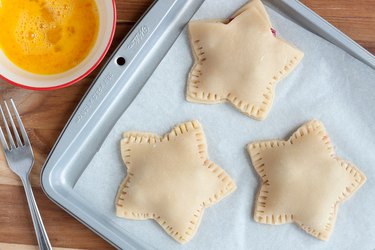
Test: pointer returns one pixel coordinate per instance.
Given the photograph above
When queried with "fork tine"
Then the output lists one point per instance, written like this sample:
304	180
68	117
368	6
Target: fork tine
20	124
15	132
10	137
3	141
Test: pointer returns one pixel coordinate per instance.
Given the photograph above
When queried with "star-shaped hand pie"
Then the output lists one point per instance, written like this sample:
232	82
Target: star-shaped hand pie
239	61
170	179
303	181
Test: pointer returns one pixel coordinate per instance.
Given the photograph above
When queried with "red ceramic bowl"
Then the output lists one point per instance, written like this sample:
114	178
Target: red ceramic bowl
21	78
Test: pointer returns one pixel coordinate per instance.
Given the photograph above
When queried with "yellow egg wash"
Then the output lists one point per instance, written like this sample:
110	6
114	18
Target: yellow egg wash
48	36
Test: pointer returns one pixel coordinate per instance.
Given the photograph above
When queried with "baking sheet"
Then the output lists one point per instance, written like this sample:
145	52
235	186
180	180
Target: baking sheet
328	85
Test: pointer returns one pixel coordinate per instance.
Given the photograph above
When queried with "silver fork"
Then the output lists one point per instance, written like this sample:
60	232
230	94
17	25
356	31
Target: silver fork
20	158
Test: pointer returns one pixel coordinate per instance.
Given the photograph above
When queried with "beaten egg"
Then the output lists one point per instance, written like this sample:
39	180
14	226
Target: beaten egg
48	36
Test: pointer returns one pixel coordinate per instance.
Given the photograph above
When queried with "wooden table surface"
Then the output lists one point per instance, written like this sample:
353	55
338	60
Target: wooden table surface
45	114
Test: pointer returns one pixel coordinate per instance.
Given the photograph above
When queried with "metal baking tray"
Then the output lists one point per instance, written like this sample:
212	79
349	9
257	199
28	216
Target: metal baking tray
116	87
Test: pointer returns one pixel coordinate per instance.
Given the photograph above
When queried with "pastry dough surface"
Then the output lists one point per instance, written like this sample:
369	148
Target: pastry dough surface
303	181
239	61
170	179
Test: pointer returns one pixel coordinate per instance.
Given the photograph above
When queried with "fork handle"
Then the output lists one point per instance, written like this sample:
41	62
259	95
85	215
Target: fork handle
40	231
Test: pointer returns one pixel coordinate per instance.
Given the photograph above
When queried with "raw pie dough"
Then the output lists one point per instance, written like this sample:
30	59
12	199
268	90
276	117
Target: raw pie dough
239	61
303	181
170	179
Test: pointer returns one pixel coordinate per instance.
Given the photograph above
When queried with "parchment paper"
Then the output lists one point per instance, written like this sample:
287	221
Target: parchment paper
328	85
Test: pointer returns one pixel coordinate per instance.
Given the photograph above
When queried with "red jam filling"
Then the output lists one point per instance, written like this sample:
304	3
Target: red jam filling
274	32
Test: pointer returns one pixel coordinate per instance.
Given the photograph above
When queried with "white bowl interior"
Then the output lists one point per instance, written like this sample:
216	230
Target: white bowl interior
106	24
